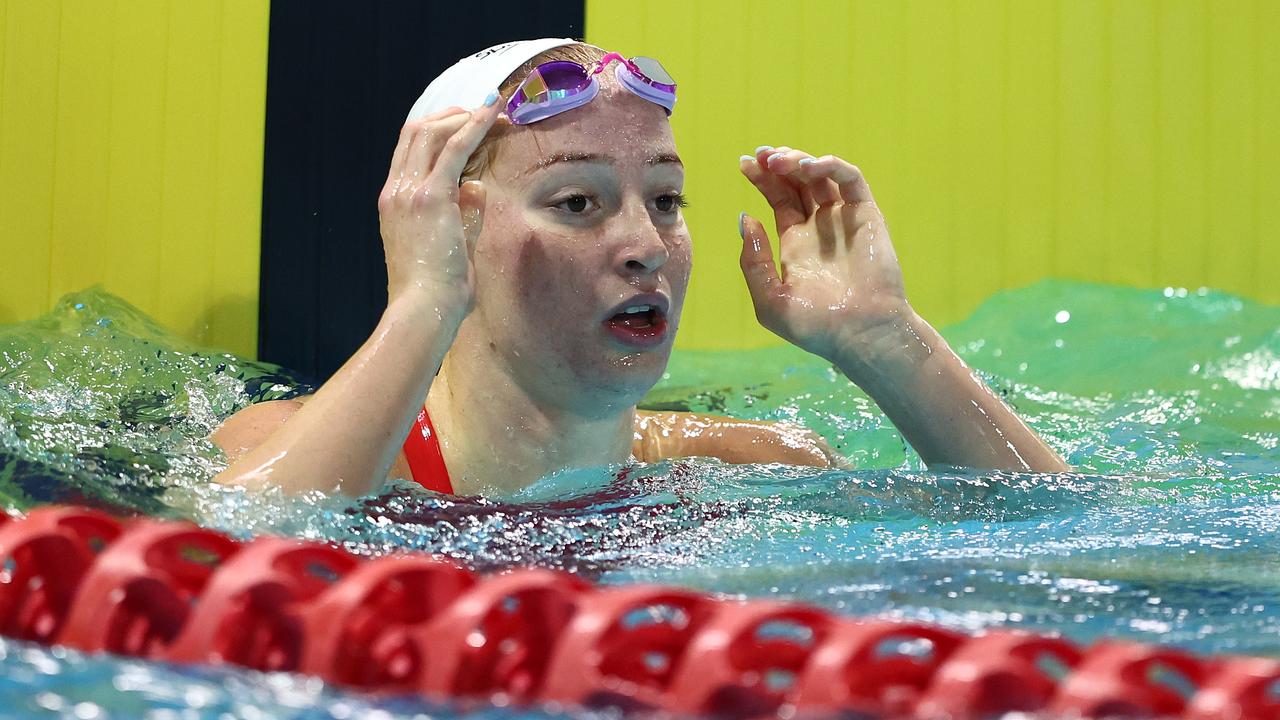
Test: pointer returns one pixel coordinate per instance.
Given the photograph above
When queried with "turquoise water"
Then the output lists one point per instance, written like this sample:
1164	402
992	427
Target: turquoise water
1165	401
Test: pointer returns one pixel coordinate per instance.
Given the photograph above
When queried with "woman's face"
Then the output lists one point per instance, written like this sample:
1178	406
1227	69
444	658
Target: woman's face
584	257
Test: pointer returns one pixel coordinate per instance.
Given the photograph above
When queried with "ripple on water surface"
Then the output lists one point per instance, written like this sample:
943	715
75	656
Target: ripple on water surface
1165	402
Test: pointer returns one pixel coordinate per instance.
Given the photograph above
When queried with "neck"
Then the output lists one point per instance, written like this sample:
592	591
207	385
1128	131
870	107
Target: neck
497	436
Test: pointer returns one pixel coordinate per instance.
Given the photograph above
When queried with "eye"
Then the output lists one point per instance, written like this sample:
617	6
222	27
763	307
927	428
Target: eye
575	204
671	202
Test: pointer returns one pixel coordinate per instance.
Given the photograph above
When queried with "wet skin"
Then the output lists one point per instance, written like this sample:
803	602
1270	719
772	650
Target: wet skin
582	217
581	220
511	284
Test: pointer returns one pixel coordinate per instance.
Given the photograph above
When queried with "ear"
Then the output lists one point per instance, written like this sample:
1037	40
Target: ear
471	198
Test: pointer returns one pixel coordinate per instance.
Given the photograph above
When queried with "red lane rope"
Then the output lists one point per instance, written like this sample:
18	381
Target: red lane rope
413	623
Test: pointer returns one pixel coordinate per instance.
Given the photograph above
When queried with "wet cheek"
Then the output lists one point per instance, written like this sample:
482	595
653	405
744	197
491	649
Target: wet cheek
679	268
538	290
550	279
681	260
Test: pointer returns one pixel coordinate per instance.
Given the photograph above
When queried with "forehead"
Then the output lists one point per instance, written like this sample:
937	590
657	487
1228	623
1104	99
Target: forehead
616	124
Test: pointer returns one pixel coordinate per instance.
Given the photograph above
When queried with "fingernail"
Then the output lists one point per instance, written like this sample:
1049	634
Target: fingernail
762	148
746	157
742	224
807	161
491	98
773	157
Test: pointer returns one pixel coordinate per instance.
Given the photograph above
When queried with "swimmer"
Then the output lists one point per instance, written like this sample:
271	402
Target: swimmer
537	262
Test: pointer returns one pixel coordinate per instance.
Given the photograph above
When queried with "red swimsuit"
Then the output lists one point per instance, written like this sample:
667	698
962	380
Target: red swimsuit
426	463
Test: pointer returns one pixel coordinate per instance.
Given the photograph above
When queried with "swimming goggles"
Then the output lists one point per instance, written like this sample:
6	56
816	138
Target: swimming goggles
561	85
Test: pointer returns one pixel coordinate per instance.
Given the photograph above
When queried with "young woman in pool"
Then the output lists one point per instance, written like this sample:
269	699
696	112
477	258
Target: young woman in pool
537	263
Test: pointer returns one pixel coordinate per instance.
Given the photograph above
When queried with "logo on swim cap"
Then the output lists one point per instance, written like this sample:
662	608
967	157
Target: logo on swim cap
467	82
495	49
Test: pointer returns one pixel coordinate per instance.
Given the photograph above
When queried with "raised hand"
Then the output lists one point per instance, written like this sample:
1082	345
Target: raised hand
839	295
429	224
839	287
348	435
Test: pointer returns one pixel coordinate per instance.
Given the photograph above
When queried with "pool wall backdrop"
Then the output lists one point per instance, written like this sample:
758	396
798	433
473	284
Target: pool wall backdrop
1128	142
131	155
216	164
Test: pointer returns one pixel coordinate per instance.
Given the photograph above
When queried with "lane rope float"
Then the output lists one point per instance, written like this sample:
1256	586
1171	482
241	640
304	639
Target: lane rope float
411	622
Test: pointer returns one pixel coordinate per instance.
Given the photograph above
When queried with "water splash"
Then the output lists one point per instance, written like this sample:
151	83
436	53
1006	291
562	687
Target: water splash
1164	401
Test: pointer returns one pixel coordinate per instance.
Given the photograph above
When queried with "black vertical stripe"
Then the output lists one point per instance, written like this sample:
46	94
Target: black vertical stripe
341	76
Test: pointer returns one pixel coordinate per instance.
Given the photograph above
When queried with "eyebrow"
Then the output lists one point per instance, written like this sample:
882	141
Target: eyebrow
557	158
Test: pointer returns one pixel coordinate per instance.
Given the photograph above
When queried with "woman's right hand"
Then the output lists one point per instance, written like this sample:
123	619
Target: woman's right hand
429	224
348	435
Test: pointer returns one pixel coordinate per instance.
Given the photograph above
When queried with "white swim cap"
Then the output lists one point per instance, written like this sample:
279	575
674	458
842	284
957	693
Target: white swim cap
472	78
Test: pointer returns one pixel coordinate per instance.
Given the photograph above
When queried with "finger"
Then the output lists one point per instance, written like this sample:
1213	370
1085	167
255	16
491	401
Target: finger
853	186
407	133
808	174
817	177
807	198
764	152
397	158
459	148
439	114
763	281
782	151
427	145
782	154
788	207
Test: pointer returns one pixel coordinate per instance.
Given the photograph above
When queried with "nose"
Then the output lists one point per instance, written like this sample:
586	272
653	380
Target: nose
643	250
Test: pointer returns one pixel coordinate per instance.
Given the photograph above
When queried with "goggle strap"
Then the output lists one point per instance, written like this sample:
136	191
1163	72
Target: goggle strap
603	62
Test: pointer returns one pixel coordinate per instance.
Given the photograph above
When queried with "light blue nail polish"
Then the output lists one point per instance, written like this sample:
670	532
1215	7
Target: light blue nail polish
742	228
491	98
762	148
808	161
774	156
746	157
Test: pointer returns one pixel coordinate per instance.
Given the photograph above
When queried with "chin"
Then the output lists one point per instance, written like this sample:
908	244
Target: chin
625	378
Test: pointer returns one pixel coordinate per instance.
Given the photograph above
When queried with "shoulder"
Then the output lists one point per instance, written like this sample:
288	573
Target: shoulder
247	428
662	435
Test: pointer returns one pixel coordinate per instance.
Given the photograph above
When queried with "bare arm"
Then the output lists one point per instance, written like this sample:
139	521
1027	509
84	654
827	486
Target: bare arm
945	411
663	435
241	433
349	434
840	295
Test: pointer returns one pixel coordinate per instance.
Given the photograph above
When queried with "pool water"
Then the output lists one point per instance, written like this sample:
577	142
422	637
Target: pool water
1165	401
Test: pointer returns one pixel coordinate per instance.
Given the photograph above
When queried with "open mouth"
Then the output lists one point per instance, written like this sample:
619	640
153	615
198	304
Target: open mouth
639	325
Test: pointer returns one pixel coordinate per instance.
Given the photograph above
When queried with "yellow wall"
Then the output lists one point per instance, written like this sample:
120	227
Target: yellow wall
131	155
1129	141
1125	141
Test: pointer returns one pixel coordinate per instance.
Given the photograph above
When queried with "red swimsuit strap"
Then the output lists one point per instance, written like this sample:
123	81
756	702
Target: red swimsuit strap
426	462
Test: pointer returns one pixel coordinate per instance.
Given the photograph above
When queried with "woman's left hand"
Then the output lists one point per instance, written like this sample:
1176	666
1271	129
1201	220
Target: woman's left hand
839	294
